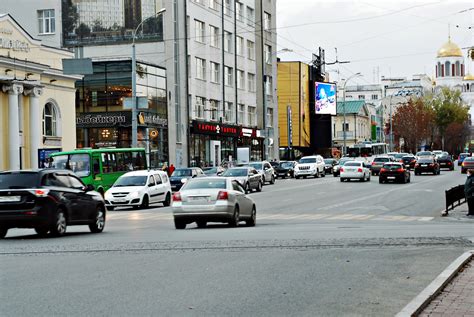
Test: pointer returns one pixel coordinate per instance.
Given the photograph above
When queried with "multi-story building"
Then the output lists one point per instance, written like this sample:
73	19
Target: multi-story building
357	123
101	13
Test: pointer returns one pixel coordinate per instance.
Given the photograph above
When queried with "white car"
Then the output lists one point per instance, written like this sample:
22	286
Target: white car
310	166
355	170
139	189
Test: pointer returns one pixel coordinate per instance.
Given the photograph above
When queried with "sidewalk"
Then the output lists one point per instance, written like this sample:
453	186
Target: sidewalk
450	294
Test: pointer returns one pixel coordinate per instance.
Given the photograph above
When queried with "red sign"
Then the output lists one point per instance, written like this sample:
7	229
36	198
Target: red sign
215	128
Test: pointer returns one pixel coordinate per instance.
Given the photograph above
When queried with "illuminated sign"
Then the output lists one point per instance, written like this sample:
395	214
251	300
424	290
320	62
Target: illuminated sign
325	95
215	128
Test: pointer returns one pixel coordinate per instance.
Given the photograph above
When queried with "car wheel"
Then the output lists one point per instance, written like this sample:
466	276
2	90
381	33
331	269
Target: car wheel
253	218
3	232
42	231
234	222
368	178
404	181
179	224
323	173
334	174
111	208
373	173
409	179
248	190
99	221
167	201
297	177
304	177
259	187
380	181
201	224
59	226
317	175
342	179
145	202
272	180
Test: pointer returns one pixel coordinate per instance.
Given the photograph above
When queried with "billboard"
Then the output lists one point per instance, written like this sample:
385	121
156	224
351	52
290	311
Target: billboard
325	95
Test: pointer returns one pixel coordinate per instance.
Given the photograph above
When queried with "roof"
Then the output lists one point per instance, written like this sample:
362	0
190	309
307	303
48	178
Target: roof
352	106
449	49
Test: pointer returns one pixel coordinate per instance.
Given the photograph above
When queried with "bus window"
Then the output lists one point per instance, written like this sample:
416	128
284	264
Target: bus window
96	166
59	162
80	164
138	161
109	163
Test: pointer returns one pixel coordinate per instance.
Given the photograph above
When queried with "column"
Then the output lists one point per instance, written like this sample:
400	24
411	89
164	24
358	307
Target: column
35	124
13	125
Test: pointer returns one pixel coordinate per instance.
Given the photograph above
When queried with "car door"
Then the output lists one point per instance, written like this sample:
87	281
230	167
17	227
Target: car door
267	170
151	189
160	188
71	197
241	198
255	177
86	203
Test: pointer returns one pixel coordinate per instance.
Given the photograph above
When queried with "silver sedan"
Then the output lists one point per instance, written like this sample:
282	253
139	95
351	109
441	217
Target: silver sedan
212	199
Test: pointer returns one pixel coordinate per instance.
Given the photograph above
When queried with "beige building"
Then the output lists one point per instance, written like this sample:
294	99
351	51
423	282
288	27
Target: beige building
357	123
37	101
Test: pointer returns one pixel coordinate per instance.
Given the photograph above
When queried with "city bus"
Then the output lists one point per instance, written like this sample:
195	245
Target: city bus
100	167
367	149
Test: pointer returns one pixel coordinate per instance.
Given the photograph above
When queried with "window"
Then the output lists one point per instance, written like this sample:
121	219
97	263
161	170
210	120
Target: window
252	112
375	97
215	72
239	7
447	67
199	1
250	16
269	117
268	54
227	7
227	41
50	120
267	21
241	113
347	127
200	68
240	46
214	109
46	22
199	29
229	111
214	4
199	107
269	85
214	36
251	82
188	61
228	73
250	50
361	97
240	79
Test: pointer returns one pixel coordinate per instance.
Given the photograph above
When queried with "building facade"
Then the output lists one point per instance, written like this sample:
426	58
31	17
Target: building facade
36	99
357	123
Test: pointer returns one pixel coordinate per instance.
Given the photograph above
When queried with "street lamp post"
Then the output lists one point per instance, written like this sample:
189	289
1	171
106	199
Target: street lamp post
134	81
344	109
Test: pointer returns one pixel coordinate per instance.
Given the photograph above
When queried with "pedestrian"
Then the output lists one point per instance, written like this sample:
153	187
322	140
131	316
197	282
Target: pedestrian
171	170
165	168
469	192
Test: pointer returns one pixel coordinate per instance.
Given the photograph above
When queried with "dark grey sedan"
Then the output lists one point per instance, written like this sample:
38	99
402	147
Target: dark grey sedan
247	176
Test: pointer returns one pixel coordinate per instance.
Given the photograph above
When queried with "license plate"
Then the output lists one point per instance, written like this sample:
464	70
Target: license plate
391	177
197	198
10	198
424	165
120	200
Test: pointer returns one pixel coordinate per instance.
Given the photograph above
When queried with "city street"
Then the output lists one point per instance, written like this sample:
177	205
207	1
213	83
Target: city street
320	248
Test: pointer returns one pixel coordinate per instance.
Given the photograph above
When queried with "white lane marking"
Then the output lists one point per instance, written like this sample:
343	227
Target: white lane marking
342	216
425	218
390	218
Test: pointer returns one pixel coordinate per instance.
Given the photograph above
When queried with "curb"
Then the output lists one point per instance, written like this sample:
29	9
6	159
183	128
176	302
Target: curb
416	306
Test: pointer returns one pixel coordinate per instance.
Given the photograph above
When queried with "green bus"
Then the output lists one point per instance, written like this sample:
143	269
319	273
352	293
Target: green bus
100	167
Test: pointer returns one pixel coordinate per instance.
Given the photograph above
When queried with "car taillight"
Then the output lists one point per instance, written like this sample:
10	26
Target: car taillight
417	165
382	170
401	161
359	170
463	164
40	192
177	196
222	195
341	169
399	170
431	165
449	163
373	163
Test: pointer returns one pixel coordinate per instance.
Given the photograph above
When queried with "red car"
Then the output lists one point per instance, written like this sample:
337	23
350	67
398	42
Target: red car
468	163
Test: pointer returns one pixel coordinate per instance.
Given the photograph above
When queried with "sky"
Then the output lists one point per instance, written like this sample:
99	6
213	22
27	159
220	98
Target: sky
379	38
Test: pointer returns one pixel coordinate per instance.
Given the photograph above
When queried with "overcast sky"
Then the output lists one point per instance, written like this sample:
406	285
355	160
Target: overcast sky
388	38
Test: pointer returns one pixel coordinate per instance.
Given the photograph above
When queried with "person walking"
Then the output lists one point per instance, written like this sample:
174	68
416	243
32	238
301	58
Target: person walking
171	170
165	168
469	192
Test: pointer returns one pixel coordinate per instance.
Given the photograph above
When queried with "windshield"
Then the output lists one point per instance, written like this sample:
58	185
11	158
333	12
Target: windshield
381	159
286	164
353	164
203	183
181	172
78	163
328	161
130	181
18	180
235	172
257	166
211	170
308	160
423	154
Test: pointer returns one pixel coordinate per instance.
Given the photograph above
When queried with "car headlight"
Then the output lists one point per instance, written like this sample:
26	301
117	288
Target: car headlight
134	195
184	180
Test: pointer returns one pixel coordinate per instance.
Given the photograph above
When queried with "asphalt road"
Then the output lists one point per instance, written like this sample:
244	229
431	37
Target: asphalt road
320	248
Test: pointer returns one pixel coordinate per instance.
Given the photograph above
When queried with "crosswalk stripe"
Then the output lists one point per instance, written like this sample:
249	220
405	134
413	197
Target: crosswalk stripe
425	218
390	218
341	216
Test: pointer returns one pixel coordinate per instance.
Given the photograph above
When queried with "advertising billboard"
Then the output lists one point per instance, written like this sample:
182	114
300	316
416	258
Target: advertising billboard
325	95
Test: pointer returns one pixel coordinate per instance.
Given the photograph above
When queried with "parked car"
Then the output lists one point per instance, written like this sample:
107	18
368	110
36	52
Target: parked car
139	189
213	199
355	169
394	172
378	162
409	161
266	170
468	163
427	165
329	164
48	200
285	169
461	158
182	175
310	166
340	163
445	161
213	171
247	176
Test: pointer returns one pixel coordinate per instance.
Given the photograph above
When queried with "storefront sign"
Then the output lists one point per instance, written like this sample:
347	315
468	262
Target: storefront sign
103	119
151	119
11	44
249	132
215	128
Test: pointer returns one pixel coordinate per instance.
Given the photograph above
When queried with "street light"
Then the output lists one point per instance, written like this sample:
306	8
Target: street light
134	80
344	108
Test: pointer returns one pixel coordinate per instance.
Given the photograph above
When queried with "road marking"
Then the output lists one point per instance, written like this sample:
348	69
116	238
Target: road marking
342	216
425	218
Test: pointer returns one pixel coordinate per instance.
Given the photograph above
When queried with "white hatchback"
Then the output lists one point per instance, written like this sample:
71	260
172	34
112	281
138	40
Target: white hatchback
139	189
355	169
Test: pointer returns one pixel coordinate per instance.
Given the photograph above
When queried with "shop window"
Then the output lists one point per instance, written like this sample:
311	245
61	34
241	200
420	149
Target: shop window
50	120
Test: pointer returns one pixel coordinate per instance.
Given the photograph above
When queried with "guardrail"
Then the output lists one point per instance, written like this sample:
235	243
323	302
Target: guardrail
454	197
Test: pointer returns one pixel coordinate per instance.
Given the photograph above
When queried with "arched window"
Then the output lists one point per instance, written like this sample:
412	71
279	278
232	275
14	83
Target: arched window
436	70
447	68
442	70
439	69
458	69
453	70
462	69
50	120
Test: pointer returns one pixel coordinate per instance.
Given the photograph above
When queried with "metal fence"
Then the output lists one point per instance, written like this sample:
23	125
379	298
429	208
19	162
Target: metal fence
454	197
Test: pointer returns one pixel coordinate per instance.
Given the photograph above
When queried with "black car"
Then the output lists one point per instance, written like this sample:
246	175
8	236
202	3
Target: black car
48	201
181	175
396	172
285	169
445	161
409	161
427	165
329	163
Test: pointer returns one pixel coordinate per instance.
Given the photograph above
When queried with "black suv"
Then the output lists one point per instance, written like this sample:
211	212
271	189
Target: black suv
48	200
182	175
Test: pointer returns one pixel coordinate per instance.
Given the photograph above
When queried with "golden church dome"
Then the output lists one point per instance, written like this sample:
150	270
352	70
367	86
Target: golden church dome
449	49
469	77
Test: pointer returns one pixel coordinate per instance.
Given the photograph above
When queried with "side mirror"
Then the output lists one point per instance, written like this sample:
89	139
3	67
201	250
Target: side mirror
194	176
219	173
89	188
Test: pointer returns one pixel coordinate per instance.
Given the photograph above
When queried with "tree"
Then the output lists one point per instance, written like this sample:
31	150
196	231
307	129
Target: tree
97	26
69	16
83	30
